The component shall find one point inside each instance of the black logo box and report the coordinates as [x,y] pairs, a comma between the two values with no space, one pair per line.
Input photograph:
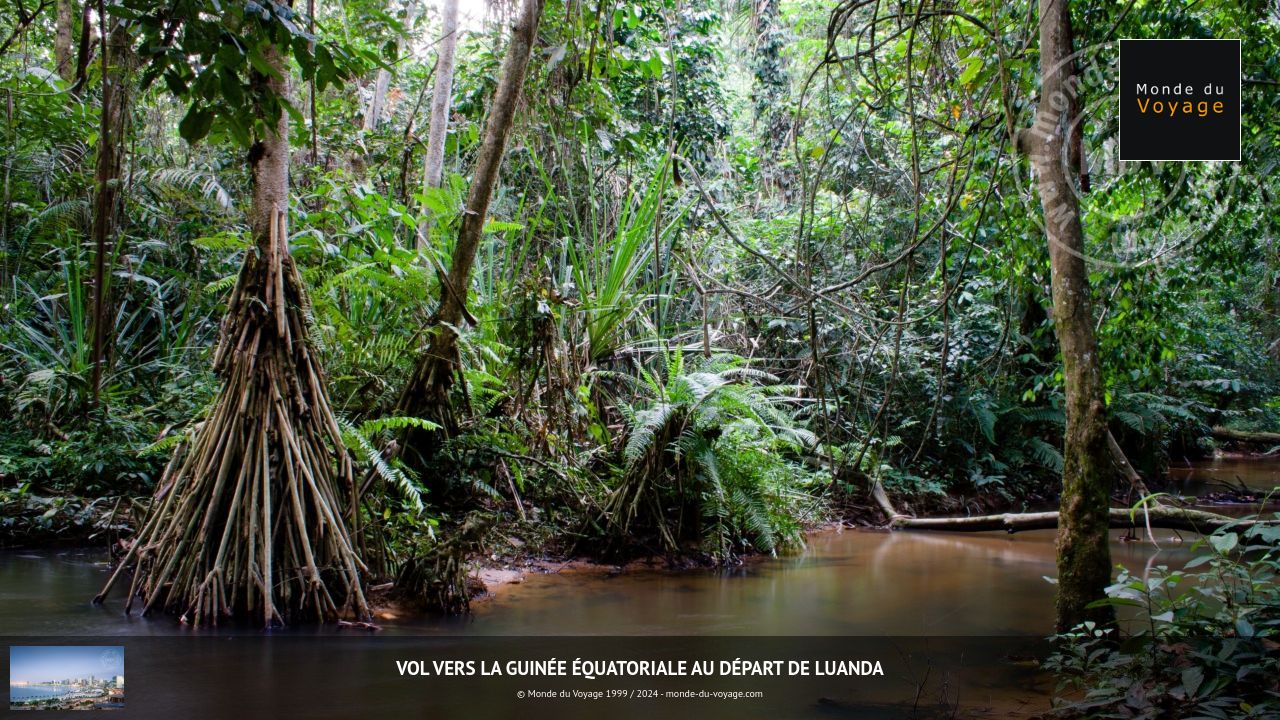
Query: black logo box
[1187,68]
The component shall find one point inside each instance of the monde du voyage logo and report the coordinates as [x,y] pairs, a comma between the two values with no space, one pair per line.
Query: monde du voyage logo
[1180,100]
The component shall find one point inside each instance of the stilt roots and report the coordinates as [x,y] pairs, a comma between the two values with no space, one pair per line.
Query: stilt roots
[255,516]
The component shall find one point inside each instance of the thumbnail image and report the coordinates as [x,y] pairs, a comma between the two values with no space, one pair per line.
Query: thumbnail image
[56,677]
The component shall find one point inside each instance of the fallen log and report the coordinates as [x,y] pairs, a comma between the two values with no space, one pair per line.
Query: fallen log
[1152,515]
[1243,436]
[1168,518]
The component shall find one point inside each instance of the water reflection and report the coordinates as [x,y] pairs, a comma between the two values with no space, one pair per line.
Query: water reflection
[853,582]
[846,583]
[1223,472]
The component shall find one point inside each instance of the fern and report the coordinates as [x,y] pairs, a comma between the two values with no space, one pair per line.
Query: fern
[1045,454]
[54,218]
[985,418]
[712,435]
[361,442]
[1026,415]
[188,179]
[1134,421]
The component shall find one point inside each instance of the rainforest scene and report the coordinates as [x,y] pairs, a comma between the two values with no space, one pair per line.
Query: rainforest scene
[385,319]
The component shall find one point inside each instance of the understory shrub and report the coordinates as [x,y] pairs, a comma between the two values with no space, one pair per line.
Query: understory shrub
[712,460]
[1204,643]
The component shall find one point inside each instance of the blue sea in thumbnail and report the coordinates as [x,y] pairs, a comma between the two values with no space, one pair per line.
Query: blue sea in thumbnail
[19,694]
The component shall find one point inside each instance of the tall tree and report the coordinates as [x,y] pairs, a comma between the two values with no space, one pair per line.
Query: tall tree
[84,48]
[254,516]
[64,27]
[1084,556]
[427,393]
[442,94]
[377,104]
[116,57]
[441,101]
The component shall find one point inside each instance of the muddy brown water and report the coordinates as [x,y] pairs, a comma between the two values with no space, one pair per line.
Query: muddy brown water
[962,592]
[1197,477]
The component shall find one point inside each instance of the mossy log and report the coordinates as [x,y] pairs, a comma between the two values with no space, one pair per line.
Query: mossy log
[1152,515]
[1243,436]
[1168,518]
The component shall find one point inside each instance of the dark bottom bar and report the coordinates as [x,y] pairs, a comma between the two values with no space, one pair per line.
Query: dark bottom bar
[282,676]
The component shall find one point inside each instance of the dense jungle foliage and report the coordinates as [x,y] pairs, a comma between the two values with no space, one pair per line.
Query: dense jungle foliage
[743,263]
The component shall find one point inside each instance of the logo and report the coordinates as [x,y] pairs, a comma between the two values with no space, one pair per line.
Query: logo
[1180,100]
[1147,210]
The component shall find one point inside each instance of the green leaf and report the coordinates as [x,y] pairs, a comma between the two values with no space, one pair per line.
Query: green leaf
[1224,543]
[259,63]
[494,226]
[175,83]
[1197,561]
[1192,679]
[195,125]
[229,83]
[436,199]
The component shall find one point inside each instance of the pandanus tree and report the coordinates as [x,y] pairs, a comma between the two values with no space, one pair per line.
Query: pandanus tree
[255,515]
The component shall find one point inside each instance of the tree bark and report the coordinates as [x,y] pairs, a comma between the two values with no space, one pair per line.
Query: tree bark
[441,101]
[382,82]
[64,25]
[442,95]
[116,57]
[1084,558]
[373,111]
[1136,485]
[269,162]
[427,393]
[84,49]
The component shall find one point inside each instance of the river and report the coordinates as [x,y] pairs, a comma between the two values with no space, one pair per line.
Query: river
[853,584]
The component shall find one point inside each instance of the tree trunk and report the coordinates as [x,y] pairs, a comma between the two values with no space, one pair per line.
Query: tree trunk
[382,82]
[442,95]
[116,57]
[1152,515]
[427,393]
[84,49]
[1084,558]
[255,516]
[1136,485]
[64,25]
[441,101]
[373,111]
